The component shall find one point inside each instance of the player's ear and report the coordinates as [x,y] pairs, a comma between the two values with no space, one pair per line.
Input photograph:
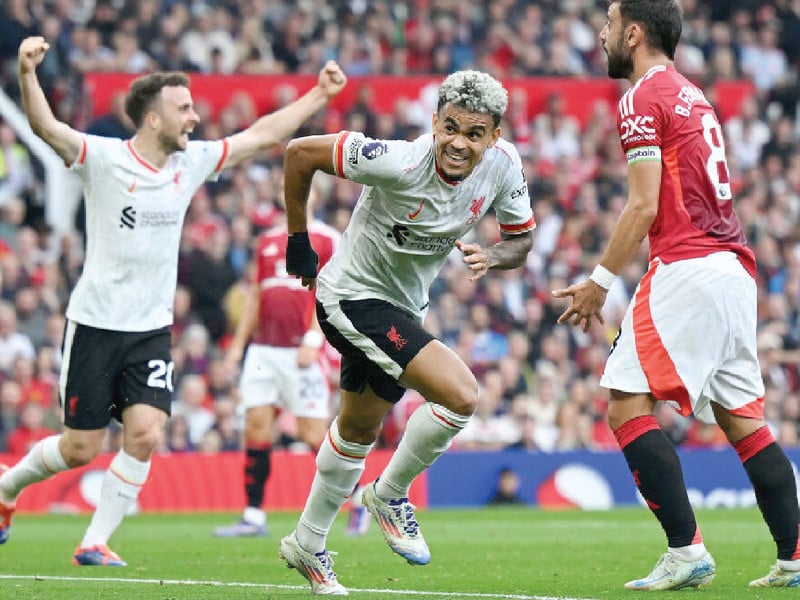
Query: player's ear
[495,137]
[633,34]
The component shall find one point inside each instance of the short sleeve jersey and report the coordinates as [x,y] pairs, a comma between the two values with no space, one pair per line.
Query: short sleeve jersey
[285,307]
[664,117]
[409,215]
[134,217]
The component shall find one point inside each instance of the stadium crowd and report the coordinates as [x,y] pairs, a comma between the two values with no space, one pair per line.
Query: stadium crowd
[539,381]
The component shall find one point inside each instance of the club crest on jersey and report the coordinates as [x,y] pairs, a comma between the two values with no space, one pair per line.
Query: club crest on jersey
[637,128]
[374,150]
[475,209]
[394,336]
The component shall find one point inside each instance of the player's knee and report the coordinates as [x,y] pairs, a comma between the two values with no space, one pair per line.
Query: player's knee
[79,450]
[358,431]
[141,442]
[462,397]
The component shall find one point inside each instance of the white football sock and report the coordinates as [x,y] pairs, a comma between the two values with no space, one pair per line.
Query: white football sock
[339,467]
[428,434]
[254,516]
[689,553]
[789,565]
[122,482]
[42,461]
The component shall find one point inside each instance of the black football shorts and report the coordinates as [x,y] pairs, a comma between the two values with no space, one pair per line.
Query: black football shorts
[377,340]
[103,372]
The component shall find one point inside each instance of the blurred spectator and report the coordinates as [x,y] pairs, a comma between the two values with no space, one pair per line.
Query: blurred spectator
[762,60]
[13,344]
[507,491]
[31,429]
[210,277]
[115,123]
[209,32]
[32,315]
[177,435]
[746,135]
[190,402]
[16,171]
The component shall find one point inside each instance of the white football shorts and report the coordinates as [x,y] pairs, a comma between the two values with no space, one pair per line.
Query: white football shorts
[689,337]
[270,376]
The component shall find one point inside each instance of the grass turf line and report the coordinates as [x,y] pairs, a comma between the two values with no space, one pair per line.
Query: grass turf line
[500,553]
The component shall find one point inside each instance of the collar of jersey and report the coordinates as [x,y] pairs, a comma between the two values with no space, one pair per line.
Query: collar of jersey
[139,159]
[442,175]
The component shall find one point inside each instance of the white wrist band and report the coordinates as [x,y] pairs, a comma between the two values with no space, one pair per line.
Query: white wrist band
[602,277]
[313,339]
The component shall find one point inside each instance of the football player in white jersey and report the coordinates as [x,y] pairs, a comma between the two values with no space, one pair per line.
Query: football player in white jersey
[419,199]
[117,344]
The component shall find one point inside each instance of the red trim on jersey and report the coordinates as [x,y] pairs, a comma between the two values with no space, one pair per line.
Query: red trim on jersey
[751,410]
[662,376]
[138,158]
[338,154]
[82,155]
[529,224]
[754,443]
[226,148]
[632,430]
[670,160]
[442,176]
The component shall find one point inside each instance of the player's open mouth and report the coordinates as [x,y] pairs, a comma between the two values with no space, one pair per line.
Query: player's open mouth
[455,159]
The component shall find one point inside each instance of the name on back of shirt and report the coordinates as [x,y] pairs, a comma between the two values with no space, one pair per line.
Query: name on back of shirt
[688,95]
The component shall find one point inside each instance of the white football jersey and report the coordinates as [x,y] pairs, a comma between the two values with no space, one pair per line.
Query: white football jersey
[134,217]
[409,216]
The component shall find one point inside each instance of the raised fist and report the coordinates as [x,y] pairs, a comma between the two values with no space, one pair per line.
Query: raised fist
[31,53]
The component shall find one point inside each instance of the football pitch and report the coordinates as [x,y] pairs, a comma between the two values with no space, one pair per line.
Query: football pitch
[514,553]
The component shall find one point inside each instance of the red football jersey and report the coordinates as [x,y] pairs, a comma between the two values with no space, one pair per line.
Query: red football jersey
[285,307]
[663,116]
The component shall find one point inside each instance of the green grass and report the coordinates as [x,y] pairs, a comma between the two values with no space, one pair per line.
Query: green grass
[491,553]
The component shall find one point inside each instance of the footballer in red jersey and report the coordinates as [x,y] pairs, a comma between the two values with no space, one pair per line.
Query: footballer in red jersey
[688,337]
[286,365]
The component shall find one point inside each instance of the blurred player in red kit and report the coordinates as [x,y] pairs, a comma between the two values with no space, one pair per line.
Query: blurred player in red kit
[283,365]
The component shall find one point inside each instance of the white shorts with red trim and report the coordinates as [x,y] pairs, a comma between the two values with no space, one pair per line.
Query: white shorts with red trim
[270,376]
[689,338]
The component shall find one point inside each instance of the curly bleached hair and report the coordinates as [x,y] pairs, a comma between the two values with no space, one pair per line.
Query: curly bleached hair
[474,91]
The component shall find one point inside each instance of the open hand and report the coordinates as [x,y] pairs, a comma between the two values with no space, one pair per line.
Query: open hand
[587,301]
[475,257]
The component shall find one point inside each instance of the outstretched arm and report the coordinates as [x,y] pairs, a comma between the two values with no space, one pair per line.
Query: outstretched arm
[59,136]
[588,297]
[275,127]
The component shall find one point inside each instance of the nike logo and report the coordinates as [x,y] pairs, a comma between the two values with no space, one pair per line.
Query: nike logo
[133,185]
[413,215]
